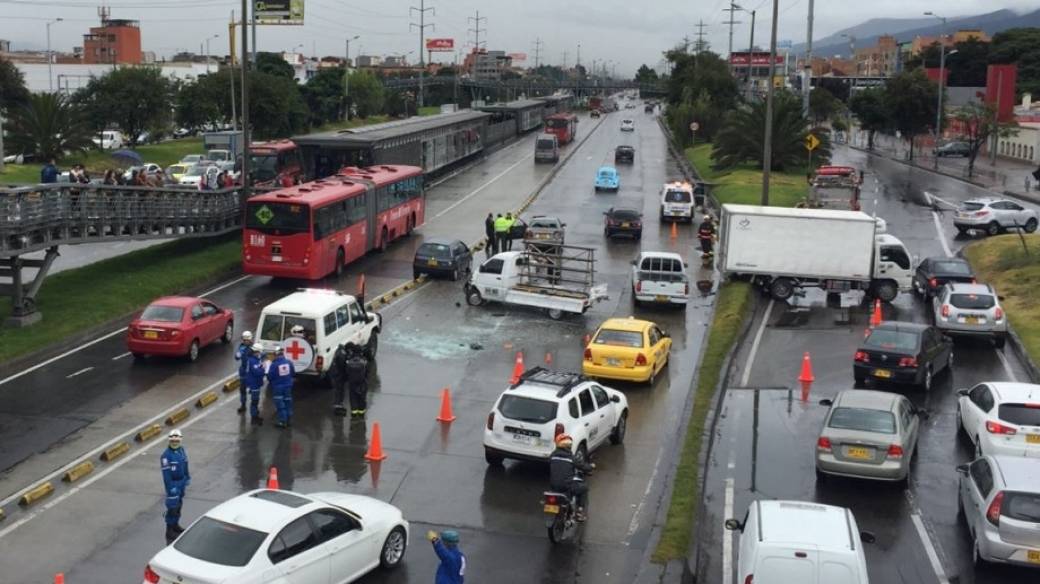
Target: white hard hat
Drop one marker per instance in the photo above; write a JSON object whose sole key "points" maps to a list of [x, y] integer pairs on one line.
{"points": [[296, 329], [247, 335], [278, 349], [258, 347], [175, 435]]}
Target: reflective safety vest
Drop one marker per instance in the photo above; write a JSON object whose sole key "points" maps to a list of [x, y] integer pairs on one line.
{"points": [[502, 224]]}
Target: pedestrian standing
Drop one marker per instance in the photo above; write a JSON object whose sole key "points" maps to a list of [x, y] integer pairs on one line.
{"points": [[491, 247], [49, 172], [357, 378], [242, 355], [706, 235], [255, 381], [452, 568], [501, 232], [176, 478], [509, 231], [280, 377]]}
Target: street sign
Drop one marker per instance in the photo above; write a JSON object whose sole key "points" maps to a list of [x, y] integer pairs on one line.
{"points": [[278, 12], [811, 142], [784, 44], [694, 126]]}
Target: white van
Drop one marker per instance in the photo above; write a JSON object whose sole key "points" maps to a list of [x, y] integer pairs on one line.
{"points": [[329, 318], [678, 202], [110, 140], [547, 148], [782, 542]]}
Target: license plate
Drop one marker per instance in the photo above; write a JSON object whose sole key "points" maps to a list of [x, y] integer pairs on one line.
{"points": [[554, 509], [276, 258], [522, 439], [151, 335], [882, 373], [971, 320], [1032, 438], [860, 453], [624, 224], [613, 362], [661, 298], [431, 262]]}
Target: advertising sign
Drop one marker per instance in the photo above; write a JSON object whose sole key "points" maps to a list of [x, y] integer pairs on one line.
{"points": [[517, 56], [278, 12], [434, 45], [754, 58]]}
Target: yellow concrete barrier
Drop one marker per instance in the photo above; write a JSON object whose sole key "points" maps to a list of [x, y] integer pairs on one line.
{"points": [[232, 385], [2, 515], [113, 452], [206, 399], [148, 433], [36, 493], [177, 417], [79, 471]]}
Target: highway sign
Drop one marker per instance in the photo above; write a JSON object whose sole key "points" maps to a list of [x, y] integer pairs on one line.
{"points": [[694, 126], [811, 142]]}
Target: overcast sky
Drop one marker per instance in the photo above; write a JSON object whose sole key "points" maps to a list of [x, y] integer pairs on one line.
{"points": [[627, 32]]}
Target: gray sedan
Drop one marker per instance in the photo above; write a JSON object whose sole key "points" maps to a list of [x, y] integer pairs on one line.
{"points": [[868, 434]]}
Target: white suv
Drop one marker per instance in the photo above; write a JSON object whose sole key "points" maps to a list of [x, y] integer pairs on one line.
{"points": [[994, 216], [1001, 418], [529, 415]]}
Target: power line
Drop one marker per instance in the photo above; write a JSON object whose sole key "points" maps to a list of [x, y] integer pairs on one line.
{"points": [[537, 51], [700, 45], [476, 20], [733, 7], [421, 26]]}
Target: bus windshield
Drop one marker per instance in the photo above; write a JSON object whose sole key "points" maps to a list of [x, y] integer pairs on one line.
{"points": [[556, 123], [264, 167], [278, 218]]}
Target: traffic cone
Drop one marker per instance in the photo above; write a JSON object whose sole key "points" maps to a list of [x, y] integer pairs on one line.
{"points": [[806, 375], [876, 317], [675, 232], [375, 446], [59, 578], [805, 390], [518, 368], [548, 358], [272, 479], [446, 414]]}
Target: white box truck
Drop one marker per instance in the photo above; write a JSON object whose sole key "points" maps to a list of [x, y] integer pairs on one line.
{"points": [[783, 249]]}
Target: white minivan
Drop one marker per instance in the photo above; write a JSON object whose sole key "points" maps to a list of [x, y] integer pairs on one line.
{"points": [[783, 542], [328, 318], [678, 202]]}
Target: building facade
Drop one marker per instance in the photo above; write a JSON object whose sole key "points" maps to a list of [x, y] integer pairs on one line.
{"points": [[881, 60], [485, 64], [115, 42]]}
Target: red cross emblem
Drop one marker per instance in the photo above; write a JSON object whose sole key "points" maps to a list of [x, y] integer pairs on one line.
{"points": [[295, 350]]}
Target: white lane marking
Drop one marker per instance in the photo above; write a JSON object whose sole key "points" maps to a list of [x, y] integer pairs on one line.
{"points": [[942, 235], [102, 338], [943, 201], [929, 549], [1007, 365], [118, 357], [80, 372], [634, 524], [727, 535], [746, 375], [483, 186]]}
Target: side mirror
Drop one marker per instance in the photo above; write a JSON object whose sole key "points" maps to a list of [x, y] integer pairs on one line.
{"points": [[615, 399], [734, 525], [633, 262], [826, 402], [369, 317], [1000, 298], [867, 537], [923, 413], [665, 335], [962, 469], [963, 392]]}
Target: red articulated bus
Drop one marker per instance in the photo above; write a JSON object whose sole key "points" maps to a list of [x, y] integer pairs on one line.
{"points": [[564, 125], [312, 230], [275, 163]]}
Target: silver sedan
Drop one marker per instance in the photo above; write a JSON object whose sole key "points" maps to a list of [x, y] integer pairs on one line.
{"points": [[868, 434]]}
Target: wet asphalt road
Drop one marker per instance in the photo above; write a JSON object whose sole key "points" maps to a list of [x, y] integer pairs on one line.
{"points": [[765, 439], [108, 529]]}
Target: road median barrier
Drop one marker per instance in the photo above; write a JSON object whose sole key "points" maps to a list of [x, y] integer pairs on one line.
{"points": [[232, 385], [79, 471], [2, 515], [177, 417], [115, 451], [207, 399], [148, 433], [36, 493]]}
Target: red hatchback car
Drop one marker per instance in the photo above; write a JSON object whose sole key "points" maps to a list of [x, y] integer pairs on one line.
{"points": [[179, 326]]}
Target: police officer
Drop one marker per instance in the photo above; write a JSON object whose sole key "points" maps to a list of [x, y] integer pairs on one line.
{"points": [[176, 478], [254, 381], [280, 377], [562, 475], [452, 568], [501, 233], [706, 234], [242, 354], [357, 359], [338, 378], [509, 232]]}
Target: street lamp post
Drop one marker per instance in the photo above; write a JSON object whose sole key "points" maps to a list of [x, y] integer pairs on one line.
{"points": [[346, 78], [50, 56], [208, 39], [942, 72], [750, 50], [767, 153]]}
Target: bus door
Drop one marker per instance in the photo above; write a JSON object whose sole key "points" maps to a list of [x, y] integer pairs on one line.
{"points": [[372, 216]]}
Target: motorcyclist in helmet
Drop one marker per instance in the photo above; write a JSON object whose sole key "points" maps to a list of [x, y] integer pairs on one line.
{"points": [[563, 476]]}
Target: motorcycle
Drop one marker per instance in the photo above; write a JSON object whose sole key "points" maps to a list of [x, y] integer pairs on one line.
{"points": [[560, 514]]}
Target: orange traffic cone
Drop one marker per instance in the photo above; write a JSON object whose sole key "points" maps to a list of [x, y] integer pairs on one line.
{"points": [[272, 479], [548, 358], [375, 446], [806, 375], [876, 317], [805, 390], [518, 368], [675, 232], [446, 414], [59, 578]]}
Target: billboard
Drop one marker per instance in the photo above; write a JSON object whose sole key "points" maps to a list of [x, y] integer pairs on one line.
{"points": [[517, 56], [278, 12], [434, 45], [754, 58]]}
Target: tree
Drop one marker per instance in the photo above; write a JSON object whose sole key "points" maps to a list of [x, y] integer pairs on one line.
{"points": [[742, 136], [822, 105], [324, 96], [133, 99], [700, 90], [910, 99], [646, 75], [49, 125], [13, 92], [276, 108], [1022, 46], [978, 123], [868, 105], [206, 101], [274, 64], [966, 67], [367, 96]]}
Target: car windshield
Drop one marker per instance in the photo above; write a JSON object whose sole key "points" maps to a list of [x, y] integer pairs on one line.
{"points": [[863, 420], [616, 338], [972, 301], [969, 206], [163, 313], [1021, 506], [1021, 414], [892, 340], [278, 217], [955, 268], [625, 214], [677, 197], [177, 169], [525, 409], [220, 543], [545, 144], [437, 250]]}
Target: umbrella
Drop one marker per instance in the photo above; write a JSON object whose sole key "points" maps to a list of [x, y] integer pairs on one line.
{"points": [[127, 156]]}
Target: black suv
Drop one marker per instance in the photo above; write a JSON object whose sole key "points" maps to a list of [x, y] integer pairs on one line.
{"points": [[624, 154]]}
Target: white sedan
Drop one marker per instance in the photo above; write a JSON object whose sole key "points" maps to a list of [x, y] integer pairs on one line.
{"points": [[628, 126], [280, 536]]}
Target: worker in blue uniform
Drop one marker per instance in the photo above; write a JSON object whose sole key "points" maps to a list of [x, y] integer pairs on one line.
{"points": [[452, 568], [280, 377], [176, 478], [242, 354], [254, 381]]}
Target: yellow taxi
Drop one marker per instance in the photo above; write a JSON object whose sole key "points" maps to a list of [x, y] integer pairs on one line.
{"points": [[627, 349], [176, 171]]}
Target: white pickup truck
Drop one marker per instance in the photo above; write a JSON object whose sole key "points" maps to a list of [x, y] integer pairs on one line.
{"points": [[558, 279], [660, 277]]}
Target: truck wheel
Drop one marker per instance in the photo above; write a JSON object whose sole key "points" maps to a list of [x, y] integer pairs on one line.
{"points": [[373, 345], [886, 291], [473, 297], [781, 289], [555, 313]]}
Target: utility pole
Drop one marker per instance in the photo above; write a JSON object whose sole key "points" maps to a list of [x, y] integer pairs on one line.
{"points": [[421, 27], [564, 66], [245, 99], [537, 52], [231, 46], [700, 45], [476, 30], [50, 55], [733, 7], [577, 62], [807, 68], [346, 78], [942, 74], [254, 33], [751, 48], [767, 148]]}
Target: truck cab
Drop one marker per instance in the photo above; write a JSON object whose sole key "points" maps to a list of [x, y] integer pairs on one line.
{"points": [[893, 264]]}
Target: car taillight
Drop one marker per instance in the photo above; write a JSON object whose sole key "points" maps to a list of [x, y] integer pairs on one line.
{"points": [[895, 451], [999, 314], [639, 286], [998, 428], [588, 354], [993, 511], [824, 444], [550, 499], [640, 359], [637, 224], [932, 282], [946, 310], [150, 575], [908, 362], [861, 357], [981, 213], [750, 579], [558, 430], [491, 421], [319, 363]]}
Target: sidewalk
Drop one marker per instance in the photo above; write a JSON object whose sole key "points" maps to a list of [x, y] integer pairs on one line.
{"points": [[1005, 177]]}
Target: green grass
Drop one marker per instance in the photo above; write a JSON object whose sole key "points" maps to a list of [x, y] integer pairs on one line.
{"points": [[75, 300], [743, 184], [1002, 262], [734, 301], [98, 161], [429, 110]]}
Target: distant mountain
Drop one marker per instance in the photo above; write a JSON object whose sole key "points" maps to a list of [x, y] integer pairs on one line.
{"points": [[868, 32]]}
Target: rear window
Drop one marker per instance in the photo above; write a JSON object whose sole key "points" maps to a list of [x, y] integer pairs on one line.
{"points": [[606, 174], [276, 327], [863, 420], [615, 338], [1021, 506], [888, 340], [437, 250], [958, 268], [545, 144], [1021, 414], [525, 409], [278, 217], [625, 214], [221, 543], [971, 206], [972, 301], [163, 313], [677, 197]]}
